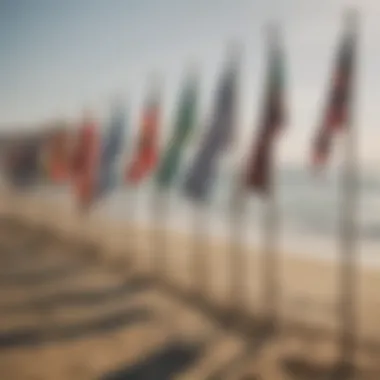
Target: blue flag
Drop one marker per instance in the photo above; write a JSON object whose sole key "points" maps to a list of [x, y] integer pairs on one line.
{"points": [[200, 176], [110, 150]]}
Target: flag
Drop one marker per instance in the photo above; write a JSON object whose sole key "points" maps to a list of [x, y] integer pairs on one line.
{"points": [[56, 158], [145, 158], [183, 127], [219, 135], [85, 162], [111, 148], [274, 117], [22, 163], [336, 114]]}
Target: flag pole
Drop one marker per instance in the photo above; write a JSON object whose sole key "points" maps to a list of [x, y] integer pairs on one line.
{"points": [[160, 214], [198, 183], [130, 208], [159, 206], [349, 192], [271, 225], [200, 257], [236, 253], [271, 268], [171, 157], [138, 169]]}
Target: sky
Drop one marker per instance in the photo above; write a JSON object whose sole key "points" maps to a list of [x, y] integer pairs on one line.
{"points": [[59, 57]]}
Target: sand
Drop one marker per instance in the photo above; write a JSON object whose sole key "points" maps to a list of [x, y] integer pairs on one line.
{"points": [[309, 294]]}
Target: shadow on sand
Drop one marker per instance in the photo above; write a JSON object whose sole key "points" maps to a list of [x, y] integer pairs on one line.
{"points": [[41, 277], [37, 336], [257, 340], [177, 357], [301, 370], [163, 364], [78, 298]]}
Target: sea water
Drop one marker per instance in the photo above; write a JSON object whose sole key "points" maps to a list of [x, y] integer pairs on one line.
{"points": [[308, 208]]}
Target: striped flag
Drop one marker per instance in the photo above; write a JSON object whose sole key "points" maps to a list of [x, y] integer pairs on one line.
{"points": [[111, 149], [85, 162], [200, 176], [274, 117], [336, 114], [185, 121], [146, 156]]}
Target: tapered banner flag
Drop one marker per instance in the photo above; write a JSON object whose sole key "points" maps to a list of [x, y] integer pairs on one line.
{"points": [[146, 155], [335, 117], [171, 161], [111, 149], [85, 163], [199, 179], [339, 117], [260, 172], [184, 125], [201, 174]]}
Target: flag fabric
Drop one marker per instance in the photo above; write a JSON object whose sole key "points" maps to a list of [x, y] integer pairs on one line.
{"points": [[22, 163], [111, 149], [146, 156], [185, 121], [85, 162], [200, 176], [336, 114], [56, 156], [274, 117]]}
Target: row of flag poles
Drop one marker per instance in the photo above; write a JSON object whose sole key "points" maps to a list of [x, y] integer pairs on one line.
{"points": [[91, 167]]}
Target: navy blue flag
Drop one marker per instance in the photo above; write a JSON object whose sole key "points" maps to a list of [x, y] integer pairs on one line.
{"points": [[110, 150], [202, 172]]}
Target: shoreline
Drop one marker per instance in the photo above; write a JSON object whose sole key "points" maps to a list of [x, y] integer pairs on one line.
{"points": [[290, 243], [309, 288]]}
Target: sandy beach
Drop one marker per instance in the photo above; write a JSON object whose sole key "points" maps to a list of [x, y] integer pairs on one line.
{"points": [[115, 253]]}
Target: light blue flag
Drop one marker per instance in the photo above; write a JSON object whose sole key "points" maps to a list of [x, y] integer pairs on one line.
{"points": [[201, 174], [111, 148]]}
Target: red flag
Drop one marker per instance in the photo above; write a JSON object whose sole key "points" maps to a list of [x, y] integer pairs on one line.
{"points": [[336, 114], [85, 162], [57, 156], [260, 165], [146, 156]]}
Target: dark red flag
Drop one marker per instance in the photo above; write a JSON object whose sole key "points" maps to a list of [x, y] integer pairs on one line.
{"points": [[260, 165], [336, 114]]}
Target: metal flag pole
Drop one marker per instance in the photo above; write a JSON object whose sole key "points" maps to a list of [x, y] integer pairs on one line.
{"points": [[130, 206], [271, 279], [159, 208], [236, 253], [349, 193], [138, 163], [271, 259], [160, 214]]}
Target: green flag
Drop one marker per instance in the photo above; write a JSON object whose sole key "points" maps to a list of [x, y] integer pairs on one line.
{"points": [[184, 125]]}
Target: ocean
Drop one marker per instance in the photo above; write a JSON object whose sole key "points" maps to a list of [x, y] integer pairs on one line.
{"points": [[308, 210]]}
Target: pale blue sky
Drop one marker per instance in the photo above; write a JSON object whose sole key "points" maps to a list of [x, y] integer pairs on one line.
{"points": [[59, 56]]}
